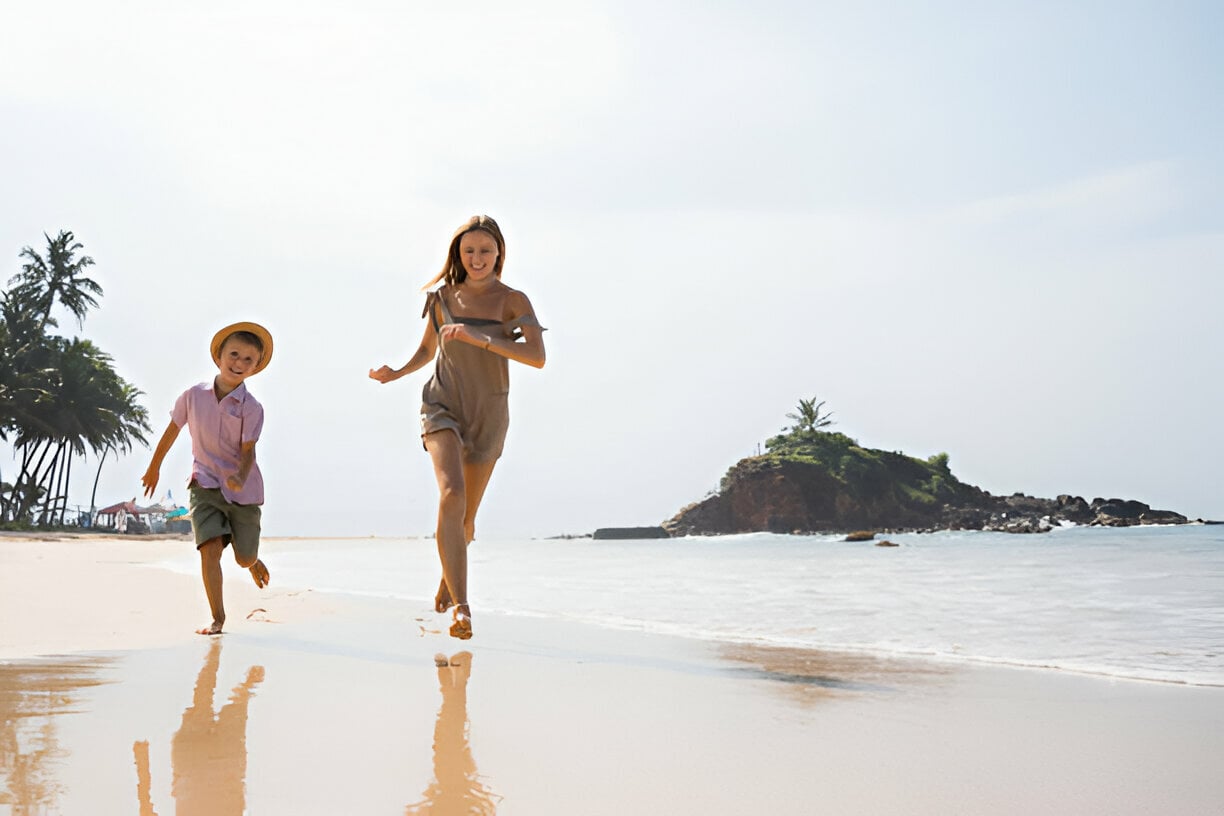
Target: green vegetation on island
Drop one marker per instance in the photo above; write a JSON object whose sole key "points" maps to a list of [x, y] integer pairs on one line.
{"points": [[867, 474]]}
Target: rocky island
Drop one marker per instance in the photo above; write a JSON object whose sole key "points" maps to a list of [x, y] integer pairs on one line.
{"points": [[811, 480]]}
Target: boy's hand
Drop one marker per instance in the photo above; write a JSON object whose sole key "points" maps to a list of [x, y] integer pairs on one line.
{"points": [[149, 480], [234, 482]]}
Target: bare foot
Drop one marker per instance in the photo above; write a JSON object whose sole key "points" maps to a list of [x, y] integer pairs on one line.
{"points": [[260, 573], [212, 629], [442, 601], [462, 627]]}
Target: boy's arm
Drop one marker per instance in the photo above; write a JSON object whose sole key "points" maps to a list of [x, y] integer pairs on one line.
{"points": [[246, 458], [149, 480]]}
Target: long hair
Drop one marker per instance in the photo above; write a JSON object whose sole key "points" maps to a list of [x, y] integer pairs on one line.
{"points": [[453, 271]]}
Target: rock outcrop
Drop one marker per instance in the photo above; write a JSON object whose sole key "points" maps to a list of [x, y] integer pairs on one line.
{"points": [[608, 533], [793, 495]]}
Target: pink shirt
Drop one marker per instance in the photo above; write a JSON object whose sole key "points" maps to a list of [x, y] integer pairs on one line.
{"points": [[218, 429]]}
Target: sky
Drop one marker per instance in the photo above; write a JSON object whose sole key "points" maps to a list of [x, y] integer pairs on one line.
{"points": [[987, 229]]}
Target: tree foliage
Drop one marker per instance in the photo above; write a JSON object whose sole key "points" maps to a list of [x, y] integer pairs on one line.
{"points": [[59, 398], [866, 473], [808, 416], [60, 276]]}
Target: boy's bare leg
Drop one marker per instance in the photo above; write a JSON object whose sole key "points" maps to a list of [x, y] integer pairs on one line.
{"points": [[260, 573], [258, 570], [210, 570]]}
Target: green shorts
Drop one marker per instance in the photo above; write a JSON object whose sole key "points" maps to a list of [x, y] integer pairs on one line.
{"points": [[212, 516]]}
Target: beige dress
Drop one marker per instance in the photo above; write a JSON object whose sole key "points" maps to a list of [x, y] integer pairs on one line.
{"points": [[470, 385]]}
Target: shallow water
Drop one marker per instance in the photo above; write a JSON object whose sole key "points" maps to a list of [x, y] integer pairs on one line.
{"points": [[1143, 603]]}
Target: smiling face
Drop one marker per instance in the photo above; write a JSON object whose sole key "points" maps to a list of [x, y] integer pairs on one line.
{"points": [[478, 253], [238, 360]]}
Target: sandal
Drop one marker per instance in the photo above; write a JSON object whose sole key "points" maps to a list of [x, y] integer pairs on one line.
{"points": [[462, 627]]}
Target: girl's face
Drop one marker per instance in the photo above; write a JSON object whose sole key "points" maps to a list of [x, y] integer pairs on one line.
{"points": [[478, 251]]}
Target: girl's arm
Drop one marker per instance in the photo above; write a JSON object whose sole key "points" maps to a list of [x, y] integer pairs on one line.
{"points": [[424, 353], [528, 352]]}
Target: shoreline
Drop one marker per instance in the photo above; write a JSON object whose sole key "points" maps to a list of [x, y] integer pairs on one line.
{"points": [[538, 716], [103, 535], [162, 553]]}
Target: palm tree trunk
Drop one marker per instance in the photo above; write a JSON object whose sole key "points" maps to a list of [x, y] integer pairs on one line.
{"points": [[4, 500], [48, 479], [94, 495], [57, 481], [65, 477], [67, 483], [29, 478], [27, 453]]}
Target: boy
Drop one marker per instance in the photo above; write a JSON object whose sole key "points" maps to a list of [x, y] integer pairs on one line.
{"points": [[226, 486]]}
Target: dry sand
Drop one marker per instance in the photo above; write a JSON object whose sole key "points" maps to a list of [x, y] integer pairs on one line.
{"points": [[317, 704]]}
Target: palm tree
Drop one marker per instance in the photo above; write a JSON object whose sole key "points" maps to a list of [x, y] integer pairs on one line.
{"points": [[24, 363], [127, 422], [58, 398], [809, 417], [50, 426], [25, 369], [60, 276], [85, 405]]}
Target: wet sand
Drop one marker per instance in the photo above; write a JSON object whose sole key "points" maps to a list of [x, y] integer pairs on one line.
{"points": [[318, 704]]}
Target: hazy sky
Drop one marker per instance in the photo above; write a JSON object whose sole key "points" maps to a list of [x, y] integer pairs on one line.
{"points": [[990, 229]]}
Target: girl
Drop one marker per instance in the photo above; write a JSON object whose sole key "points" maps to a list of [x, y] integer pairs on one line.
{"points": [[476, 325]]}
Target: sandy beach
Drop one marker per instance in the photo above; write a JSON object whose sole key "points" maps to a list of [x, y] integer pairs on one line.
{"points": [[326, 704]]}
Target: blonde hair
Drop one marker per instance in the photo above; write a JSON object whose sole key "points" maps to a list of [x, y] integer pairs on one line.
{"points": [[453, 271]]}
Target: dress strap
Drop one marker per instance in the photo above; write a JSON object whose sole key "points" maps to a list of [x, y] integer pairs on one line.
{"points": [[515, 326], [432, 298]]}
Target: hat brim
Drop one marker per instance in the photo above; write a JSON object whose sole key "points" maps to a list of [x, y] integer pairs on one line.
{"points": [[245, 326]]}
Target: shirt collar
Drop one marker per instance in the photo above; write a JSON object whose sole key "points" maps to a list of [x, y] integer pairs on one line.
{"points": [[239, 394]]}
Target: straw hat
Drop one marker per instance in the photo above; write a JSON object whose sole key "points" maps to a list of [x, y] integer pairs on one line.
{"points": [[254, 328]]}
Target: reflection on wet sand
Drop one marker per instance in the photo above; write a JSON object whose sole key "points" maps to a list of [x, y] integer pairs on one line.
{"points": [[32, 695], [144, 779], [812, 675], [208, 751], [456, 786]]}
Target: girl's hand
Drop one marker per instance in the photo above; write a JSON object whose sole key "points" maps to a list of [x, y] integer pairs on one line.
{"points": [[234, 482], [460, 332], [384, 374]]}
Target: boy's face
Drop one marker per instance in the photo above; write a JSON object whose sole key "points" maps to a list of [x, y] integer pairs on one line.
{"points": [[238, 360]]}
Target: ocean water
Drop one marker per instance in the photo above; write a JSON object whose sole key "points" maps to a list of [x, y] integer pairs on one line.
{"points": [[1143, 603]]}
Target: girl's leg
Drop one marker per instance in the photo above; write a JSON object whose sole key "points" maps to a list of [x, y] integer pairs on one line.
{"points": [[475, 480], [444, 451]]}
